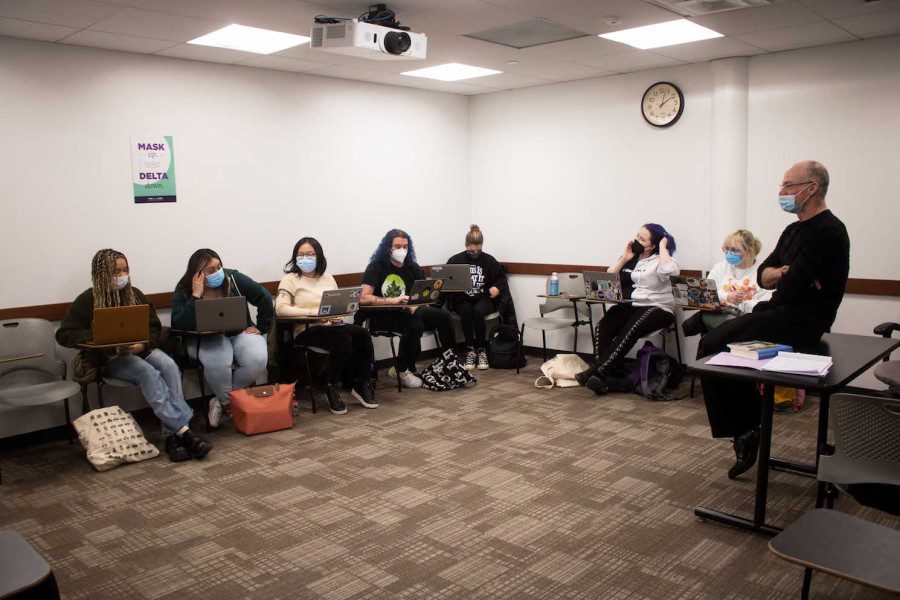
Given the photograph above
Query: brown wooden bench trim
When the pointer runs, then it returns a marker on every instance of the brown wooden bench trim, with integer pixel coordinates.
(55, 312)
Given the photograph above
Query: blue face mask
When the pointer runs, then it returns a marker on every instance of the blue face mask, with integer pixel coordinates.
(733, 258)
(306, 264)
(789, 204)
(216, 279)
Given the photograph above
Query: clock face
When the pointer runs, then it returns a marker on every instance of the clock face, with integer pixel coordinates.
(662, 104)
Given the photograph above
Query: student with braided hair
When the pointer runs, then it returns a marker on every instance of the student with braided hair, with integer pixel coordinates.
(644, 268)
(142, 364)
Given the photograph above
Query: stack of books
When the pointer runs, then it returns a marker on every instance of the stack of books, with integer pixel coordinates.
(757, 350)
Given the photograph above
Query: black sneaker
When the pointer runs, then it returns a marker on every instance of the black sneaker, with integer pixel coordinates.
(746, 447)
(364, 393)
(335, 404)
(193, 443)
(583, 376)
(176, 452)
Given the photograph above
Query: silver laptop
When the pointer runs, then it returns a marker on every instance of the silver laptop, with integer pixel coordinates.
(425, 291)
(342, 301)
(599, 285)
(698, 293)
(220, 315)
(457, 278)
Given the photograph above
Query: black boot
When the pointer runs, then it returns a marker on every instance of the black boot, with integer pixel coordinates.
(193, 443)
(582, 378)
(746, 448)
(596, 384)
(176, 452)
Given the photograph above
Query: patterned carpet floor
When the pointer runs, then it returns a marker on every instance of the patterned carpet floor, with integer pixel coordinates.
(499, 491)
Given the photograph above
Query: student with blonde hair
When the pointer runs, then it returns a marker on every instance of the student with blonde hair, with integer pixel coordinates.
(488, 282)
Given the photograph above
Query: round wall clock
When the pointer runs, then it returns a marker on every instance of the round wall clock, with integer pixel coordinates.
(662, 104)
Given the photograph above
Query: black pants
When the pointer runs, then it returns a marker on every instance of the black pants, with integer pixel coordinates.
(472, 310)
(621, 327)
(345, 343)
(411, 327)
(734, 407)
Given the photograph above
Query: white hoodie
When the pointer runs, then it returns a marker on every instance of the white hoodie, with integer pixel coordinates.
(731, 278)
(652, 286)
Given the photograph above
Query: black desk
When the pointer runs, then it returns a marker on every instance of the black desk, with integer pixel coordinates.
(851, 354)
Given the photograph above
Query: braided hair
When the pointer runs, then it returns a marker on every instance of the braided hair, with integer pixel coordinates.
(103, 278)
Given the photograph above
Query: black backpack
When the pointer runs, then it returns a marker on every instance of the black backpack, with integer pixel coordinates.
(652, 374)
(503, 349)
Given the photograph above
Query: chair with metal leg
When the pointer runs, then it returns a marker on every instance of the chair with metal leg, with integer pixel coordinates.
(30, 373)
(866, 465)
(571, 290)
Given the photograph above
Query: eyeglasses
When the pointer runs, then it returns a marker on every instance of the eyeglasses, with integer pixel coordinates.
(307, 255)
(785, 185)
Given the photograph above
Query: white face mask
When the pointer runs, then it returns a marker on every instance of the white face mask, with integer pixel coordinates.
(399, 254)
(121, 282)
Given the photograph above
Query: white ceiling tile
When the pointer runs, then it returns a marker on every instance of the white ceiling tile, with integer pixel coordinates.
(204, 53)
(707, 50)
(798, 36)
(71, 13)
(281, 63)
(887, 23)
(155, 25)
(401, 80)
(591, 16)
(632, 61)
(354, 8)
(464, 16)
(834, 9)
(577, 50)
(114, 41)
(773, 16)
(507, 81)
(34, 31)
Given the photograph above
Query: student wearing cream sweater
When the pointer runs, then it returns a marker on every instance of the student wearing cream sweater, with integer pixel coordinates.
(299, 295)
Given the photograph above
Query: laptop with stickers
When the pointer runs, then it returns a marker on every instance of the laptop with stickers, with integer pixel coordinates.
(342, 301)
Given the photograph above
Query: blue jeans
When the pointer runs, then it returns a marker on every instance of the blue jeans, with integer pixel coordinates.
(246, 353)
(160, 381)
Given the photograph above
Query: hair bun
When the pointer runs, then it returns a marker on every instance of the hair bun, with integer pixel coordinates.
(474, 227)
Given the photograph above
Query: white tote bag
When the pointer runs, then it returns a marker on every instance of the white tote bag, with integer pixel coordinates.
(112, 437)
(560, 371)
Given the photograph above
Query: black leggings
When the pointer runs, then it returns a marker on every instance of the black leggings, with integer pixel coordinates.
(472, 310)
(344, 343)
(621, 327)
(411, 327)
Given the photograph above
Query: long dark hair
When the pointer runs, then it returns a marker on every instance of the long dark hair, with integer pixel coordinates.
(103, 267)
(382, 253)
(657, 233)
(321, 264)
(197, 261)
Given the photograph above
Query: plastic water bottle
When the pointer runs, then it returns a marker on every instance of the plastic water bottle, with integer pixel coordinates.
(554, 285)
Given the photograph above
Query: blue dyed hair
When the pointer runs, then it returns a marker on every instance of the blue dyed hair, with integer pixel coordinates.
(657, 233)
(382, 253)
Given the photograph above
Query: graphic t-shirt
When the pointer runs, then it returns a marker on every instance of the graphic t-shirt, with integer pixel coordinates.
(390, 281)
(484, 269)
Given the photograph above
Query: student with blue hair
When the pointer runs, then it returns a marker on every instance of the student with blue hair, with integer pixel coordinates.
(644, 267)
(387, 280)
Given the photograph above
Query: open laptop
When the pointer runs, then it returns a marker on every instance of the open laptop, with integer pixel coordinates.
(698, 293)
(121, 325)
(424, 291)
(599, 285)
(457, 278)
(342, 301)
(220, 315)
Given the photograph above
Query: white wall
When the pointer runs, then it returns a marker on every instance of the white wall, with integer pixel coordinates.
(565, 173)
(262, 158)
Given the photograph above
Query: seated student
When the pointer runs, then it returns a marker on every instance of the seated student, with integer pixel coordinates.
(645, 267)
(482, 300)
(807, 272)
(736, 282)
(142, 364)
(391, 273)
(247, 351)
(299, 295)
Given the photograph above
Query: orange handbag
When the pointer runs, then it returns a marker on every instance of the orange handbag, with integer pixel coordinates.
(262, 409)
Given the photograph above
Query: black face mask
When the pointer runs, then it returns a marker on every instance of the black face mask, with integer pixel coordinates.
(637, 248)
(473, 253)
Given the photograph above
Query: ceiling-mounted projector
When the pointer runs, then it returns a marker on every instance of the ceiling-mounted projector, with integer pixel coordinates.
(376, 35)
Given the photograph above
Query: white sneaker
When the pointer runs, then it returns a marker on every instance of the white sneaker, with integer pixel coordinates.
(215, 413)
(410, 380)
(469, 363)
(483, 360)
